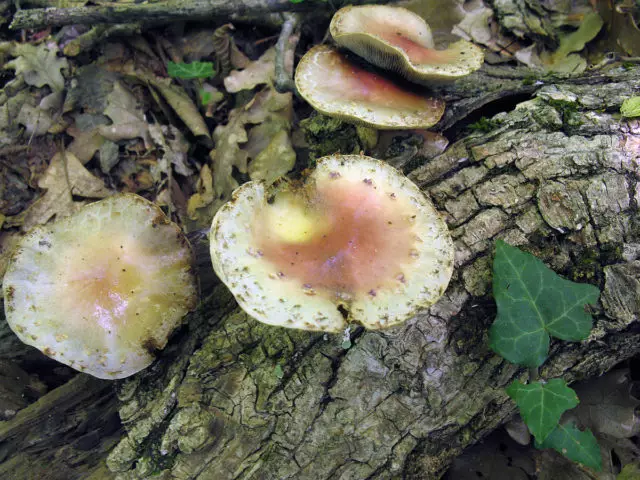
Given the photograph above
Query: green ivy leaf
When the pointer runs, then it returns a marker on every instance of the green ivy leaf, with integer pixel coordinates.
(542, 404)
(533, 303)
(631, 107)
(579, 446)
(188, 71)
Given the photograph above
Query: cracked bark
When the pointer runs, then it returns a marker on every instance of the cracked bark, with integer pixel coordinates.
(557, 175)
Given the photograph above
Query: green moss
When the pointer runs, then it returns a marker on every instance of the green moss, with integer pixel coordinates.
(586, 267)
(611, 253)
(529, 80)
(326, 136)
(485, 125)
(568, 110)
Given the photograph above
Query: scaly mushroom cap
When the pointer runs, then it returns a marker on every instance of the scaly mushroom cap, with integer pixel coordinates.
(397, 39)
(339, 88)
(357, 242)
(101, 290)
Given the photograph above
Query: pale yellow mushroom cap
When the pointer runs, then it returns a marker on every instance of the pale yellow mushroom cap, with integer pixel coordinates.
(362, 244)
(101, 290)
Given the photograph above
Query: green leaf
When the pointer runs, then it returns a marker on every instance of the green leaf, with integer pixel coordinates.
(542, 404)
(533, 303)
(205, 97)
(579, 446)
(188, 71)
(631, 107)
(278, 372)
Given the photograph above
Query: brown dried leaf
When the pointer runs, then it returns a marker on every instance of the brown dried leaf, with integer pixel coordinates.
(275, 160)
(256, 73)
(174, 147)
(65, 177)
(606, 405)
(85, 144)
(183, 106)
(39, 65)
(127, 116)
(203, 205)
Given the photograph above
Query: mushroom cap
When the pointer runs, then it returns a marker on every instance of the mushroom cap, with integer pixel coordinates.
(339, 88)
(356, 242)
(397, 39)
(103, 289)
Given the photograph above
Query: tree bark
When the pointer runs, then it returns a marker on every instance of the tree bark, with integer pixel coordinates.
(162, 11)
(231, 398)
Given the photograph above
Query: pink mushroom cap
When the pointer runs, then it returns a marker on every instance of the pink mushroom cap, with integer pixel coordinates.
(338, 87)
(398, 39)
(356, 242)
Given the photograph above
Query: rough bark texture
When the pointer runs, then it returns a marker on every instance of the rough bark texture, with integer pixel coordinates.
(558, 176)
(232, 398)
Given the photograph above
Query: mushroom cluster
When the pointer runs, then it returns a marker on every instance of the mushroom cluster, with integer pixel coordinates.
(102, 290)
(392, 38)
(355, 242)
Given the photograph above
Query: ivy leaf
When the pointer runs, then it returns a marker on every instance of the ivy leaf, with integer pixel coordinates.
(188, 71)
(579, 446)
(542, 404)
(631, 107)
(533, 303)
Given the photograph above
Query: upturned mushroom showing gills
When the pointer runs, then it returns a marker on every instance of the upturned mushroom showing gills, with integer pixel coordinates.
(102, 290)
(355, 242)
(337, 87)
(397, 39)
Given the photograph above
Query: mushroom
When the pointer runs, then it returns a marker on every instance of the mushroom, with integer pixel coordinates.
(355, 242)
(340, 88)
(397, 39)
(101, 290)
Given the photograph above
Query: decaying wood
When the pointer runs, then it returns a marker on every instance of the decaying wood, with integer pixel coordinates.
(231, 398)
(164, 11)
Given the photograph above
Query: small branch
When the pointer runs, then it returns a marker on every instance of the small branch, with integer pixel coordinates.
(285, 48)
(97, 34)
(167, 11)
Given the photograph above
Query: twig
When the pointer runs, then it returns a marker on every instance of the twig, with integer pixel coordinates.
(169, 10)
(285, 47)
(97, 34)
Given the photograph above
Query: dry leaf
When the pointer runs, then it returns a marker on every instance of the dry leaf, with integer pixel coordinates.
(40, 119)
(275, 160)
(39, 65)
(128, 118)
(256, 73)
(183, 106)
(65, 177)
(202, 205)
(174, 147)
